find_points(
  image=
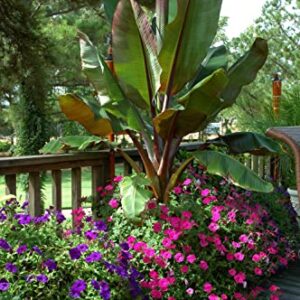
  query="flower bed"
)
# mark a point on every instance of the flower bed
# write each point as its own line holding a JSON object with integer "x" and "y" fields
{"x": 212, "y": 241}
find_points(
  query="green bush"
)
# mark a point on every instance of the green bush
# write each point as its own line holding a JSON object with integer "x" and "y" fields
{"x": 4, "y": 146}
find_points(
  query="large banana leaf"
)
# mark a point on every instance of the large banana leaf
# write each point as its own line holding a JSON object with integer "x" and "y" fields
{"x": 135, "y": 195}
{"x": 186, "y": 42}
{"x": 199, "y": 104}
{"x": 244, "y": 70}
{"x": 223, "y": 165}
{"x": 216, "y": 58}
{"x": 98, "y": 73}
{"x": 75, "y": 142}
{"x": 246, "y": 142}
{"x": 87, "y": 115}
{"x": 134, "y": 54}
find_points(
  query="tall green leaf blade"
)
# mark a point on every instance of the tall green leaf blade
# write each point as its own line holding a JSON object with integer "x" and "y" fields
{"x": 216, "y": 58}
{"x": 133, "y": 62}
{"x": 223, "y": 165}
{"x": 247, "y": 142}
{"x": 98, "y": 73}
{"x": 244, "y": 70}
{"x": 109, "y": 8}
{"x": 186, "y": 42}
{"x": 53, "y": 146}
{"x": 199, "y": 104}
{"x": 135, "y": 195}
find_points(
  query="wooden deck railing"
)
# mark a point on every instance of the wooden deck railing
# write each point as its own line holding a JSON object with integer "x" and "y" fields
{"x": 10, "y": 167}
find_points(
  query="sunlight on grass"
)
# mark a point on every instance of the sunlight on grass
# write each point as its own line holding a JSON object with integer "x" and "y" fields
{"x": 86, "y": 187}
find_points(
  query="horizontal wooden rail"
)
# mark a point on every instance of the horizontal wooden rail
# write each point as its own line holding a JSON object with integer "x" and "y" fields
{"x": 10, "y": 167}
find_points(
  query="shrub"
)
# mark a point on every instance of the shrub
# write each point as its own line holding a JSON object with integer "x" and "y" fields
{"x": 4, "y": 146}
{"x": 41, "y": 260}
{"x": 212, "y": 241}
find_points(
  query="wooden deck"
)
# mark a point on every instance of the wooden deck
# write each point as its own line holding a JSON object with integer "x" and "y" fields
{"x": 289, "y": 282}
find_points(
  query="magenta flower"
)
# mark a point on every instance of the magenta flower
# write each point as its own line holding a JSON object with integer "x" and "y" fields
{"x": 203, "y": 265}
{"x": 184, "y": 269}
{"x": 191, "y": 258}
{"x": 113, "y": 203}
{"x": 205, "y": 192}
{"x": 187, "y": 182}
{"x": 118, "y": 179}
{"x": 177, "y": 190}
{"x": 213, "y": 227}
{"x": 239, "y": 277}
{"x": 179, "y": 257}
{"x": 207, "y": 287}
{"x": 213, "y": 297}
{"x": 190, "y": 291}
{"x": 157, "y": 227}
{"x": 239, "y": 256}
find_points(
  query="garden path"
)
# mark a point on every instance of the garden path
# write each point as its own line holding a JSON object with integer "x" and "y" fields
{"x": 289, "y": 282}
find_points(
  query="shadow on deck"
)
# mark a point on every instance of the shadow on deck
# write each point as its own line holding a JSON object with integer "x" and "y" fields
{"x": 289, "y": 282}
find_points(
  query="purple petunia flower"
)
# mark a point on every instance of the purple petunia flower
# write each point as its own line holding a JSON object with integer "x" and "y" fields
{"x": 50, "y": 264}
{"x": 94, "y": 256}
{"x": 91, "y": 235}
{"x": 25, "y": 204}
{"x": 124, "y": 246}
{"x": 4, "y": 285}
{"x": 2, "y": 217}
{"x": 74, "y": 253}
{"x": 77, "y": 288}
{"x": 23, "y": 219}
{"x": 37, "y": 250}
{"x": 95, "y": 284}
{"x": 60, "y": 217}
{"x": 82, "y": 247}
{"x": 22, "y": 249}
{"x": 41, "y": 219}
{"x": 5, "y": 245}
{"x": 42, "y": 278}
{"x": 104, "y": 290}
{"x": 10, "y": 267}
{"x": 101, "y": 226}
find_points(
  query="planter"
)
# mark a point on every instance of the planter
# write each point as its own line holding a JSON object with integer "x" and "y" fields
{"x": 295, "y": 200}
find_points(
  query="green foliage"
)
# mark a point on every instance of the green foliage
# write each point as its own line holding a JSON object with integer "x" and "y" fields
{"x": 223, "y": 165}
{"x": 152, "y": 90}
{"x": 135, "y": 195}
{"x": 4, "y": 146}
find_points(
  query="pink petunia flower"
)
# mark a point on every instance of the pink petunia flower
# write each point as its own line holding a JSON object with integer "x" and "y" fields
{"x": 213, "y": 227}
{"x": 239, "y": 256}
{"x": 113, "y": 203}
{"x": 191, "y": 258}
{"x": 184, "y": 269}
{"x": 207, "y": 287}
{"x": 190, "y": 291}
{"x": 179, "y": 257}
{"x": 203, "y": 265}
{"x": 157, "y": 227}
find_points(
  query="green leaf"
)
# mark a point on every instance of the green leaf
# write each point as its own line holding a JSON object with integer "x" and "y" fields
{"x": 109, "y": 8}
{"x": 223, "y": 165}
{"x": 186, "y": 42}
{"x": 199, "y": 104}
{"x": 54, "y": 146}
{"x": 134, "y": 53}
{"x": 86, "y": 114}
{"x": 244, "y": 70}
{"x": 135, "y": 195}
{"x": 98, "y": 73}
{"x": 247, "y": 142}
{"x": 216, "y": 58}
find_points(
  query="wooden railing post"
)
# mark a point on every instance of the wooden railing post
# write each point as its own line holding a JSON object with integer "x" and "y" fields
{"x": 254, "y": 165}
{"x": 76, "y": 187}
{"x": 35, "y": 208}
{"x": 56, "y": 189}
{"x": 127, "y": 168}
{"x": 10, "y": 182}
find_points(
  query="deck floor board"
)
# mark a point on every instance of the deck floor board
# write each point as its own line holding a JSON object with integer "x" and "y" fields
{"x": 289, "y": 282}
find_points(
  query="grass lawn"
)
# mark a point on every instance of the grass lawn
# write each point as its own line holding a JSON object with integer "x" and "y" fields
{"x": 86, "y": 186}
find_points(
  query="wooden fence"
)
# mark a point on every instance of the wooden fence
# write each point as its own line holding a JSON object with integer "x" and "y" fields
{"x": 10, "y": 167}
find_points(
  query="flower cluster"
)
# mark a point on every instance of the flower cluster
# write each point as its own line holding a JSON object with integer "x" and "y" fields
{"x": 212, "y": 241}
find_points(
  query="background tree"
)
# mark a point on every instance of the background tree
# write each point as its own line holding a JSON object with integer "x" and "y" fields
{"x": 280, "y": 25}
